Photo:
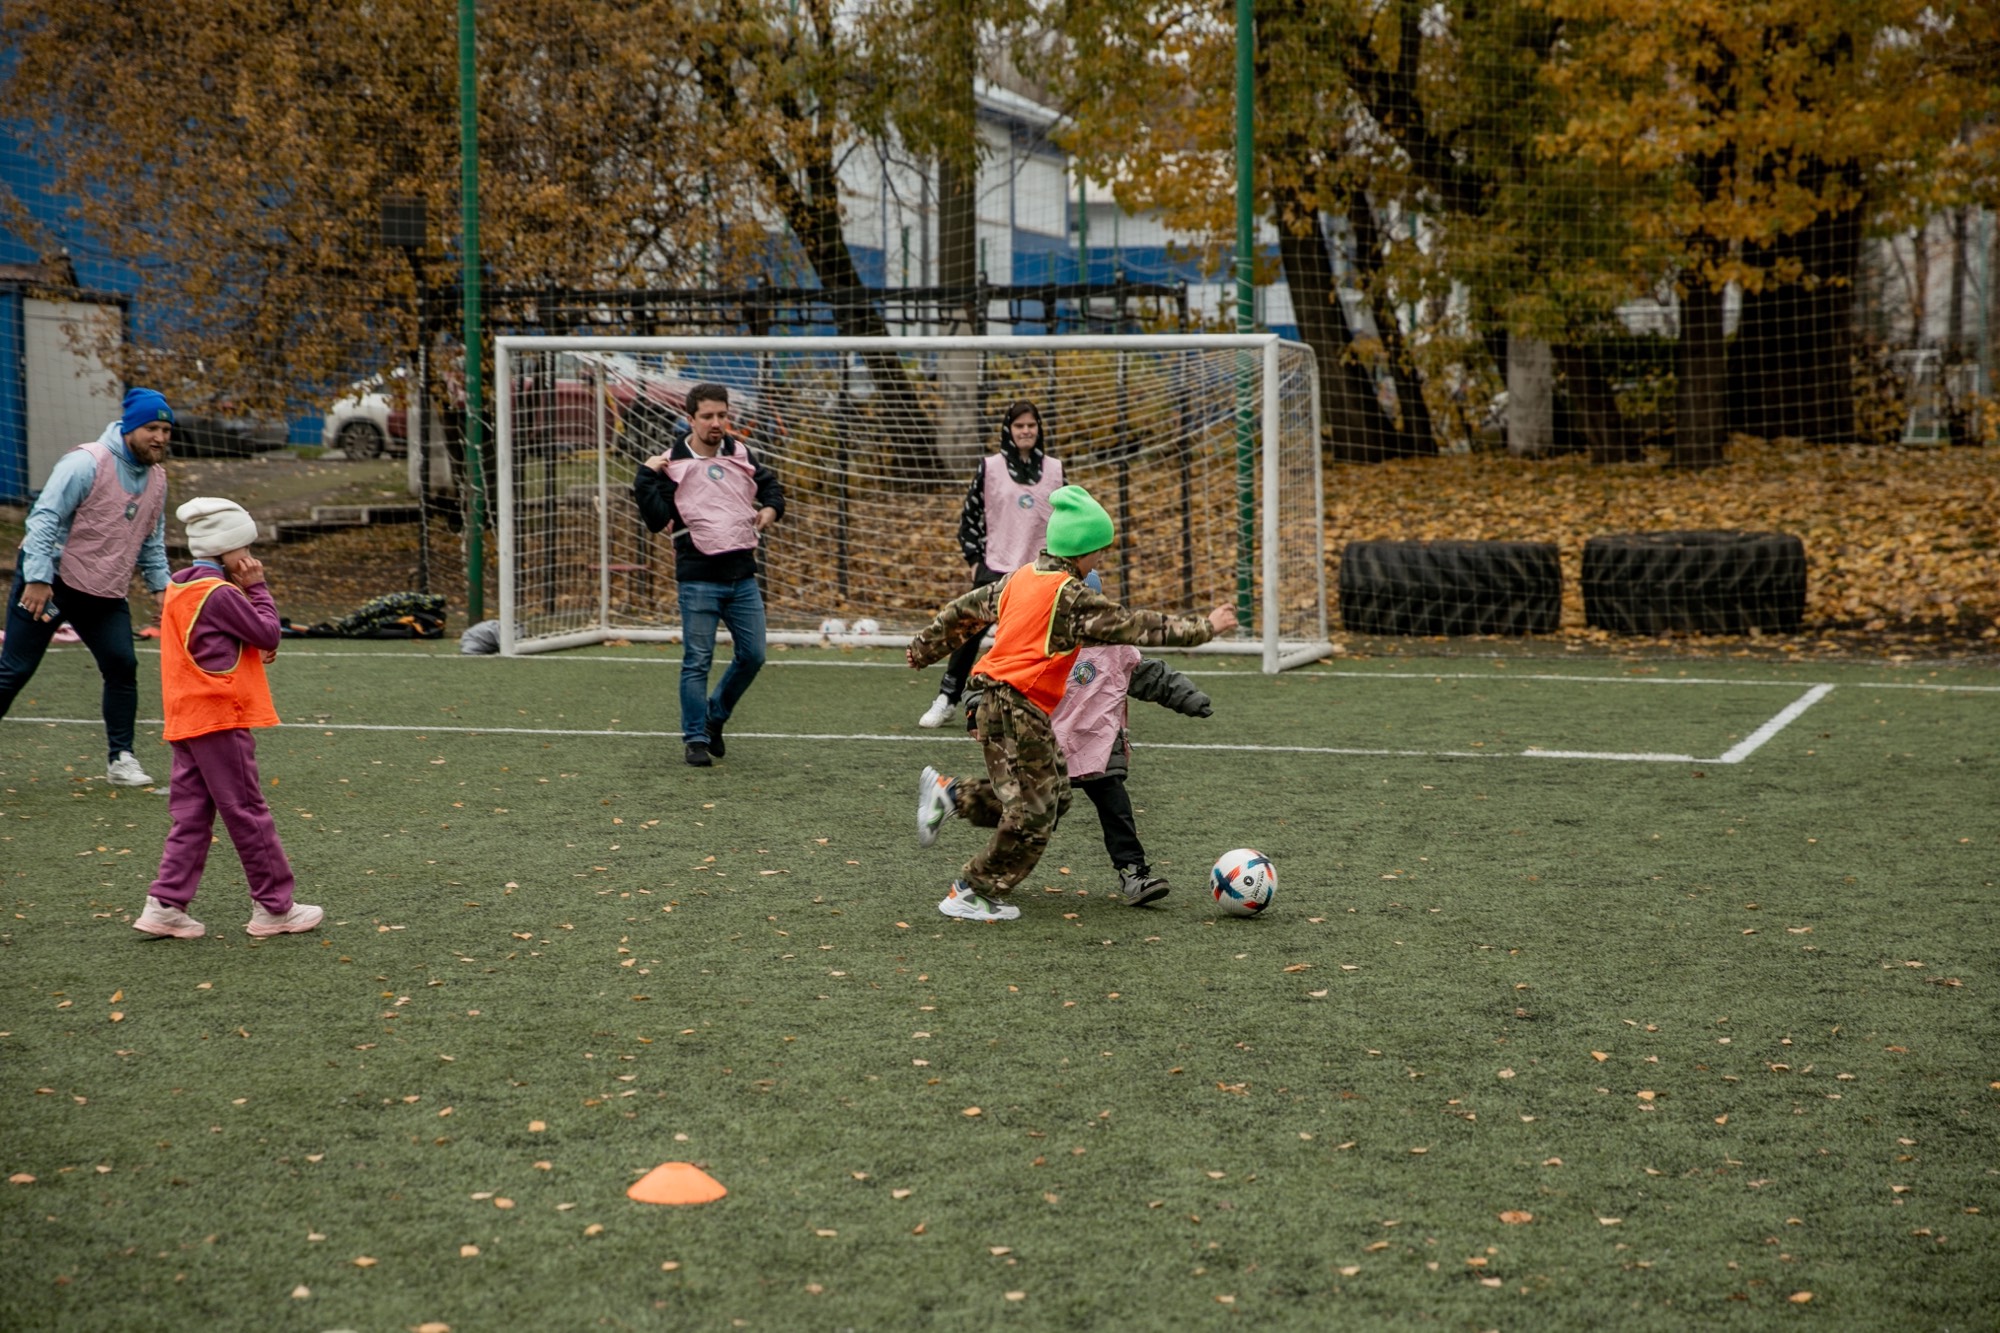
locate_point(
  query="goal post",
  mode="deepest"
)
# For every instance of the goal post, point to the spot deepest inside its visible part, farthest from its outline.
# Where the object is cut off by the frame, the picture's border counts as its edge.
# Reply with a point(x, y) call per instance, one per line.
point(876, 441)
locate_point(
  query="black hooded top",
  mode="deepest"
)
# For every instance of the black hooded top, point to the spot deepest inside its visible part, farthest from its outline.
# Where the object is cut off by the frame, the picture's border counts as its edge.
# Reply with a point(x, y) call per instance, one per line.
point(1027, 470)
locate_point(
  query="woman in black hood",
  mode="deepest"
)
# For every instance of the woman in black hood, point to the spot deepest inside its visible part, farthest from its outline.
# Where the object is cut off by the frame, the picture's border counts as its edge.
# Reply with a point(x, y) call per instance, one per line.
point(1001, 527)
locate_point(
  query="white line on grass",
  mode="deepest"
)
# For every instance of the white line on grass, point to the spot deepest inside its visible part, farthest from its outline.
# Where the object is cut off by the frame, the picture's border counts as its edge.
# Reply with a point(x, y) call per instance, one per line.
point(1749, 745)
point(1495, 675)
point(866, 736)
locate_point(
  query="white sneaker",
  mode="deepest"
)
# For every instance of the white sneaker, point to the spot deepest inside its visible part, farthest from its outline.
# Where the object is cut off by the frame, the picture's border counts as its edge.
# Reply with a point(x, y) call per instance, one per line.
point(303, 916)
point(124, 771)
point(160, 919)
point(934, 804)
point(966, 905)
point(937, 714)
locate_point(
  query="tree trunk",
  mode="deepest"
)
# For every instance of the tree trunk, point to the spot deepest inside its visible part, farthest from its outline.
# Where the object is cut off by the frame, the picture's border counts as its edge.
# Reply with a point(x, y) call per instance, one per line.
point(1355, 428)
point(1596, 407)
point(1700, 422)
point(1414, 438)
point(1531, 398)
point(1792, 358)
point(960, 441)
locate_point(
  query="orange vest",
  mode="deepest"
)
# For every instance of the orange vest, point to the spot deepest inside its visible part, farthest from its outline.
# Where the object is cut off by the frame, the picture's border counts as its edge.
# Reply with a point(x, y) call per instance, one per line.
point(199, 701)
point(1020, 654)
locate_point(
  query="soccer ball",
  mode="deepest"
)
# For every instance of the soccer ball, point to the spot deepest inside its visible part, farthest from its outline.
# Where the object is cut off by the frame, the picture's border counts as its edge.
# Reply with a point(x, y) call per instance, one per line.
point(867, 625)
point(1244, 882)
point(832, 625)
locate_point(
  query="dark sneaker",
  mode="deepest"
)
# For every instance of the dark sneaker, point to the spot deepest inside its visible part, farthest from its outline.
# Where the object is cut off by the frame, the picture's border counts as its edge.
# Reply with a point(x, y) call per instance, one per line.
point(966, 905)
point(1141, 886)
point(697, 755)
point(935, 804)
point(715, 745)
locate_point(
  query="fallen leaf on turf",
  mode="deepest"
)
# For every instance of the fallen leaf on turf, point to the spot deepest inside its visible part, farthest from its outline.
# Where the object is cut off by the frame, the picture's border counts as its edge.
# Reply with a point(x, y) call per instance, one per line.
point(998, 1250)
point(1351, 1270)
point(670, 1265)
point(432, 1327)
point(537, 1126)
point(1599, 1056)
point(301, 1292)
point(468, 1251)
point(825, 1232)
point(116, 996)
point(1609, 1221)
point(971, 1110)
point(363, 1261)
point(594, 1229)
point(503, 1203)
point(1299, 967)
point(900, 1194)
point(1799, 1297)
point(20, 1178)
point(1017, 1295)
point(1515, 1217)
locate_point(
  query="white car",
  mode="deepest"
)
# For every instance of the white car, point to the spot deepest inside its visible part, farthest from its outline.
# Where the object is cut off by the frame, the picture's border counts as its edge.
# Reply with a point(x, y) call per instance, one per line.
point(366, 423)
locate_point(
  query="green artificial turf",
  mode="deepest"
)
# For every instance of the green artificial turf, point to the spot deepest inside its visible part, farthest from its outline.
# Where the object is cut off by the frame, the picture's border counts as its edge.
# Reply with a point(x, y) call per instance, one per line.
point(1526, 1042)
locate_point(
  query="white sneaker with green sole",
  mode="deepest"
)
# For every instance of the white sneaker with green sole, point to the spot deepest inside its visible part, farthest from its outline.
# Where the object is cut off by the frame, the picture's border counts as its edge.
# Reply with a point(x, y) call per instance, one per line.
point(966, 905)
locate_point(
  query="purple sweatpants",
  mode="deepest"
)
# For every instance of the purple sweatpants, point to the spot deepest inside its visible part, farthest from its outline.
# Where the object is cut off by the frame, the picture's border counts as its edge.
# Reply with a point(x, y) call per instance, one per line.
point(218, 772)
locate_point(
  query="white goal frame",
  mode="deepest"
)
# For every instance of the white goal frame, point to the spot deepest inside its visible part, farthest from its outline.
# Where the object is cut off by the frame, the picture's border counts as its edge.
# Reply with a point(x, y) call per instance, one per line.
point(1309, 641)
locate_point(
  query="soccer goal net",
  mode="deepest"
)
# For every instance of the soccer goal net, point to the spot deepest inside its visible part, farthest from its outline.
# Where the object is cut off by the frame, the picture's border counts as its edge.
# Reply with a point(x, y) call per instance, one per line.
point(1203, 449)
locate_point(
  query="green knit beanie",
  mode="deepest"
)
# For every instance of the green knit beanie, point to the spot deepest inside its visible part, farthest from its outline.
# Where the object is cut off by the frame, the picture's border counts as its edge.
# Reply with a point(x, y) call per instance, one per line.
point(1079, 524)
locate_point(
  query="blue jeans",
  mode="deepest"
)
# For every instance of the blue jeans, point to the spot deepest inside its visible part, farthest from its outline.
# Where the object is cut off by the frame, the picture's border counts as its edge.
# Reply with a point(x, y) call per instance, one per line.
point(105, 626)
point(739, 605)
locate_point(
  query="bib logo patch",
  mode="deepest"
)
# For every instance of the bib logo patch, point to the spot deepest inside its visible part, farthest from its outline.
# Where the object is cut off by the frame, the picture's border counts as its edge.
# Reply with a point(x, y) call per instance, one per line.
point(1025, 502)
point(131, 510)
point(715, 472)
point(1084, 672)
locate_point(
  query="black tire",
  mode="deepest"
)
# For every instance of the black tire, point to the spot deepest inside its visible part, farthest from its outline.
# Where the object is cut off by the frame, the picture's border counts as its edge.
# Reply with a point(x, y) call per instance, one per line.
point(1450, 587)
point(361, 439)
point(1698, 582)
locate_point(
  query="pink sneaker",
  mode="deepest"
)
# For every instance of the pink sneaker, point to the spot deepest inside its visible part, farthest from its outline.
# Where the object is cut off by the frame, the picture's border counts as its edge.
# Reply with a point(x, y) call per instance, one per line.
point(160, 919)
point(302, 917)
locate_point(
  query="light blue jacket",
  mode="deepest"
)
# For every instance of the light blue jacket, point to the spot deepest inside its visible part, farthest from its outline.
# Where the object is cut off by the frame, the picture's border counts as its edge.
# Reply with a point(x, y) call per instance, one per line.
point(55, 509)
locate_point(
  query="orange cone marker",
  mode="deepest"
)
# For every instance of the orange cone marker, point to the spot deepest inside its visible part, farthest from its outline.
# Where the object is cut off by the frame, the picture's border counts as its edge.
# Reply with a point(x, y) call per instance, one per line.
point(676, 1182)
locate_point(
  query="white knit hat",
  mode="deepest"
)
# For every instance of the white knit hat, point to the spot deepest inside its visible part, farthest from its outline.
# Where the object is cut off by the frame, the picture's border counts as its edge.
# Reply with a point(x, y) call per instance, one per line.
point(215, 526)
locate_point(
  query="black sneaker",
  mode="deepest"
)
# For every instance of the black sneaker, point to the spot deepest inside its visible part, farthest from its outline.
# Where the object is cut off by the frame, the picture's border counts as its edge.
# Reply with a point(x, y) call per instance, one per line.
point(715, 745)
point(697, 755)
point(1141, 886)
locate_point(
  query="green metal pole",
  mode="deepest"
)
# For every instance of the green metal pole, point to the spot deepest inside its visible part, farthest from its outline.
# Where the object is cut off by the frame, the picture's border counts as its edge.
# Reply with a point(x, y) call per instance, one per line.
point(475, 406)
point(1246, 315)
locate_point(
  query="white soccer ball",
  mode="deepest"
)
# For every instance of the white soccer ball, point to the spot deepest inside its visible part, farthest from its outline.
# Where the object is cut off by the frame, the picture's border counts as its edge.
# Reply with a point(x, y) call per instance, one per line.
point(832, 625)
point(1244, 882)
point(867, 625)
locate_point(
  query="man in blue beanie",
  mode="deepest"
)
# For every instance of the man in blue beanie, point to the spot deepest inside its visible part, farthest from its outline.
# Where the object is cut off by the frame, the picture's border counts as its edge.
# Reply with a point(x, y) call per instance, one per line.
point(102, 513)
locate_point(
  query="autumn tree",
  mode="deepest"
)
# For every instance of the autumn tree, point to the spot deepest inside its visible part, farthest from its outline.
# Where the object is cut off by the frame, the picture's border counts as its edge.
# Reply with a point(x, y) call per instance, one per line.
point(1785, 132)
point(236, 153)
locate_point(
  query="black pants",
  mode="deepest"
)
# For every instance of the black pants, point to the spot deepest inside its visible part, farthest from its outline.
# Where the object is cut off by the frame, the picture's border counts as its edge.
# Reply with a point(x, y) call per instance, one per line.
point(1114, 813)
point(958, 669)
point(105, 626)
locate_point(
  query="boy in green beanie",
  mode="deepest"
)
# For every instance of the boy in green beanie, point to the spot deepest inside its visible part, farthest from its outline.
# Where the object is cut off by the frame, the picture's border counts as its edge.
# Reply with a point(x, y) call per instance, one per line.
point(1043, 615)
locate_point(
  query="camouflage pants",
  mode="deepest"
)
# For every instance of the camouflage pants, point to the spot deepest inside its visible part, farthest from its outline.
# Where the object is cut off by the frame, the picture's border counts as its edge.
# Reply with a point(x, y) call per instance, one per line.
point(1025, 792)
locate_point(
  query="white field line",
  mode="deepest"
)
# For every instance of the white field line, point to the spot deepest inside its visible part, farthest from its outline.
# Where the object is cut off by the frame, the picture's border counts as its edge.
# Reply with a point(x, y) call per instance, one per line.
point(1750, 744)
point(1496, 675)
point(1758, 738)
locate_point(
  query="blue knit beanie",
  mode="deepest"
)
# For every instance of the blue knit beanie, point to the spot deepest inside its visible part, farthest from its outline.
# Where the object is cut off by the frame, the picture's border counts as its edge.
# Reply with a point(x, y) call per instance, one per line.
point(142, 408)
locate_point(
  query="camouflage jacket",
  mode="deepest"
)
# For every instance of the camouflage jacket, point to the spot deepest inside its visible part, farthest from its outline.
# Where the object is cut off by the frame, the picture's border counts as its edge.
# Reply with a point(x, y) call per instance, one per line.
point(1081, 617)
